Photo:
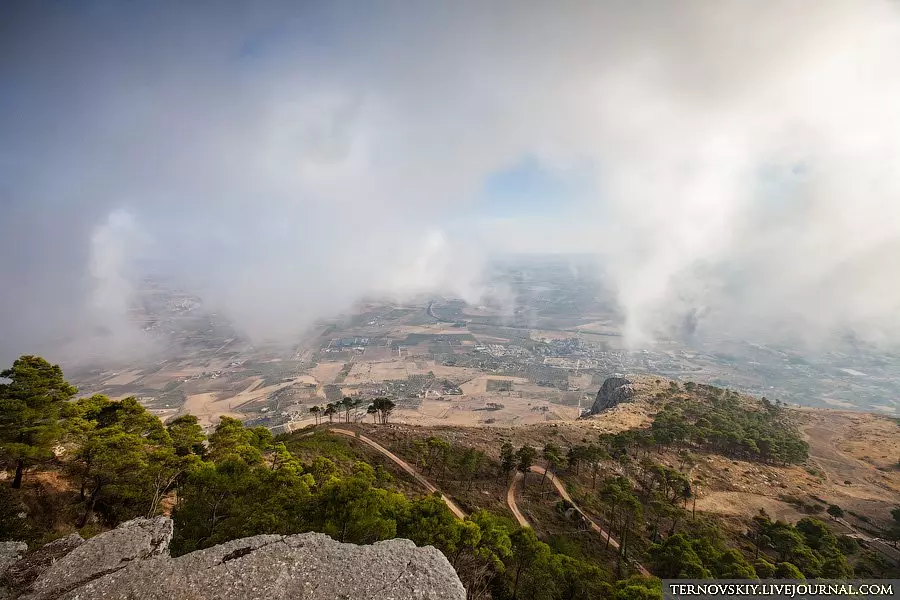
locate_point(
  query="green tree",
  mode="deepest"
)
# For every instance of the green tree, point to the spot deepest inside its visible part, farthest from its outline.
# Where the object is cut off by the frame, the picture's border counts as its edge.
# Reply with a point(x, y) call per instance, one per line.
point(187, 436)
point(525, 458)
point(429, 522)
point(785, 539)
point(351, 509)
point(595, 455)
point(731, 564)
point(30, 405)
point(553, 456)
point(529, 554)
point(758, 531)
point(613, 492)
point(764, 569)
point(507, 458)
point(894, 532)
point(231, 499)
point(384, 406)
point(469, 463)
point(348, 404)
point(164, 468)
point(231, 438)
point(786, 570)
point(637, 588)
point(574, 456)
point(677, 558)
point(124, 459)
point(438, 454)
point(632, 512)
point(479, 566)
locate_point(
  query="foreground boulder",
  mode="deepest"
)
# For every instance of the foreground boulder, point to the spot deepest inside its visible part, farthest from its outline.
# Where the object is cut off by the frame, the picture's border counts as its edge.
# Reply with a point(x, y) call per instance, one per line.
point(19, 575)
point(133, 563)
point(10, 552)
point(109, 552)
point(613, 391)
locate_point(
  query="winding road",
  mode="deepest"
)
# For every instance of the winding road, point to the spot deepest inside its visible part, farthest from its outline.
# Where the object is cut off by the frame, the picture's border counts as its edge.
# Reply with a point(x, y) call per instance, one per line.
point(510, 493)
point(456, 510)
point(511, 501)
point(513, 506)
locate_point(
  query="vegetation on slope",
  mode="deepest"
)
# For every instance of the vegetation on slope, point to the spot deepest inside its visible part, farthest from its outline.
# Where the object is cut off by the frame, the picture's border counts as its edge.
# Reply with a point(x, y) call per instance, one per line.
point(110, 461)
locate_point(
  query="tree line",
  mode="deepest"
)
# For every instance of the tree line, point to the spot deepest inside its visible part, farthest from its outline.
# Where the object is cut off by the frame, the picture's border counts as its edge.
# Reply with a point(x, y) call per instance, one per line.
point(380, 409)
point(719, 421)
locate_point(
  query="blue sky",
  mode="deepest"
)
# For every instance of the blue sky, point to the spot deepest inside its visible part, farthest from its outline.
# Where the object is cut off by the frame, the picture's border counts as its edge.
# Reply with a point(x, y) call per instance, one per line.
point(528, 189)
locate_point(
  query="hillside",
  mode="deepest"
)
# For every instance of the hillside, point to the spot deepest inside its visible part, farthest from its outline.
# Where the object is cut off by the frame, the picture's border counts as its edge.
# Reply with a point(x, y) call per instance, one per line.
point(677, 479)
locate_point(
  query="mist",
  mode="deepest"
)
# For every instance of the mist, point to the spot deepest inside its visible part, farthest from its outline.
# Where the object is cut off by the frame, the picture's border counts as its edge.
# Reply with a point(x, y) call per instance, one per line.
point(734, 163)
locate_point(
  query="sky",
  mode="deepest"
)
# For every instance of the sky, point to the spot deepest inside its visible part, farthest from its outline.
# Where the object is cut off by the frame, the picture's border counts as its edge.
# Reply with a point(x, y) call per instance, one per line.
point(732, 160)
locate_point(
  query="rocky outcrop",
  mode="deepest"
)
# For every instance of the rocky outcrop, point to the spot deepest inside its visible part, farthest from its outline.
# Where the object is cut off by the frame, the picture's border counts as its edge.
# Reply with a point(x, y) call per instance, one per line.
point(21, 574)
point(133, 563)
point(10, 552)
point(109, 552)
point(613, 391)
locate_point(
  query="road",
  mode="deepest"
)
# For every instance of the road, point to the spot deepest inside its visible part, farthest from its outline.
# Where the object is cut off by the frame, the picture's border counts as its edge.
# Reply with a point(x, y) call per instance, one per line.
point(511, 501)
point(510, 494)
point(430, 312)
point(403, 465)
point(513, 506)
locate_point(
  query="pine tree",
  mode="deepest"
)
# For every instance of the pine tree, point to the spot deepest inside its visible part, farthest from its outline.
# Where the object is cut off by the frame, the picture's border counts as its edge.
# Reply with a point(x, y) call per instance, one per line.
point(30, 407)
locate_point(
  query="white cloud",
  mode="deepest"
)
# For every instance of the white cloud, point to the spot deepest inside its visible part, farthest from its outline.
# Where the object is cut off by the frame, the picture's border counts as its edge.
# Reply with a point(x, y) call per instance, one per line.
point(327, 165)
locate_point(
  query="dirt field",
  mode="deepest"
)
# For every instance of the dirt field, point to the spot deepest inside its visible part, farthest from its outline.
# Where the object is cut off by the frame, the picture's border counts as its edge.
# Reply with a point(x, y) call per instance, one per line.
point(743, 504)
point(469, 412)
point(325, 372)
point(478, 385)
point(124, 378)
point(367, 372)
point(209, 406)
point(207, 409)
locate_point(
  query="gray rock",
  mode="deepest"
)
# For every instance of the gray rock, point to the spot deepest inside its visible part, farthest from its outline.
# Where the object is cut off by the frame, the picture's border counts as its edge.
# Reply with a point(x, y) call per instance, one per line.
point(10, 552)
point(613, 391)
point(309, 566)
point(108, 552)
point(21, 574)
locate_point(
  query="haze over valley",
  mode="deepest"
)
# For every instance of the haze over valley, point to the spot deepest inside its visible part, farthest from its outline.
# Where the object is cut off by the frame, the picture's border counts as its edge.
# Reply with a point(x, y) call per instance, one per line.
point(482, 300)
point(546, 336)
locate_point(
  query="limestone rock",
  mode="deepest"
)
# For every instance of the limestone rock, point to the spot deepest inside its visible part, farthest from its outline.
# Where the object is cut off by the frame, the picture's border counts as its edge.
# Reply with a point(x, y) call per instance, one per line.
point(309, 566)
point(21, 574)
point(106, 553)
point(10, 552)
point(613, 391)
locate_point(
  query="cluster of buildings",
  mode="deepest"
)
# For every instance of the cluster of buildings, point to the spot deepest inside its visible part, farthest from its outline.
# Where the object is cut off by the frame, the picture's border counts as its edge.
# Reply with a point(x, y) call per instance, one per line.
point(357, 344)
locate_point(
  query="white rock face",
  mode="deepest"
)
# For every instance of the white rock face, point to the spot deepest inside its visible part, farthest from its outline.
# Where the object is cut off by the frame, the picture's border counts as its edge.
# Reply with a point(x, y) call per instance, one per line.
point(132, 562)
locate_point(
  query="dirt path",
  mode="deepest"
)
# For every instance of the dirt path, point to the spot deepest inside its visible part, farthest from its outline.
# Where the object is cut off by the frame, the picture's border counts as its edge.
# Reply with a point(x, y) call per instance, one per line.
point(511, 500)
point(565, 495)
point(403, 465)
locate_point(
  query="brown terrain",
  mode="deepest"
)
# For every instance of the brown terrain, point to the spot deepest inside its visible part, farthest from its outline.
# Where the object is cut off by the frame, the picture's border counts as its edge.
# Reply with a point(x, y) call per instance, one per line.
point(852, 463)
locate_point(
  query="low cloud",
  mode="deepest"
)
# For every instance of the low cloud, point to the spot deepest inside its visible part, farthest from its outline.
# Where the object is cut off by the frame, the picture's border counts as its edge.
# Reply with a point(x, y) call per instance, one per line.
point(285, 162)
